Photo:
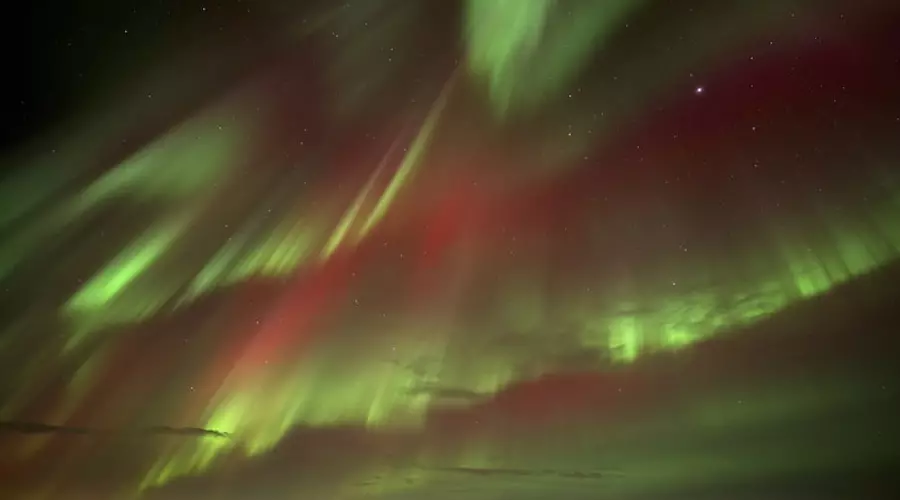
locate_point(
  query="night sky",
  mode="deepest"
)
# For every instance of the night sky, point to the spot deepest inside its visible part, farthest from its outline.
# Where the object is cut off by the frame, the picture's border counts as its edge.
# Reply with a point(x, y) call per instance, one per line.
point(469, 249)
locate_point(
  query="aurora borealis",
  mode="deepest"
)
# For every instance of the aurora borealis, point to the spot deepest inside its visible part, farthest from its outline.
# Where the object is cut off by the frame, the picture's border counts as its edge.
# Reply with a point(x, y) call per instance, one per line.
point(483, 249)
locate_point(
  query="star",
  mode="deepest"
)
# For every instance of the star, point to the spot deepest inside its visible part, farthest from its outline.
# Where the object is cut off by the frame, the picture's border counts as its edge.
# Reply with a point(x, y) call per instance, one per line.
point(699, 90)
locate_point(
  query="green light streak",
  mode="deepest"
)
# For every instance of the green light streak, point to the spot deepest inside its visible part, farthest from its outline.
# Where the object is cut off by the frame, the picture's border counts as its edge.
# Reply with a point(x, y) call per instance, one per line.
point(507, 39)
point(128, 266)
point(410, 161)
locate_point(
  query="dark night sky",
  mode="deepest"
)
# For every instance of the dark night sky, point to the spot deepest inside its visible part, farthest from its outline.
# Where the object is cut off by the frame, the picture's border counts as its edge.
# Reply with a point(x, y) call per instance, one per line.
point(66, 53)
